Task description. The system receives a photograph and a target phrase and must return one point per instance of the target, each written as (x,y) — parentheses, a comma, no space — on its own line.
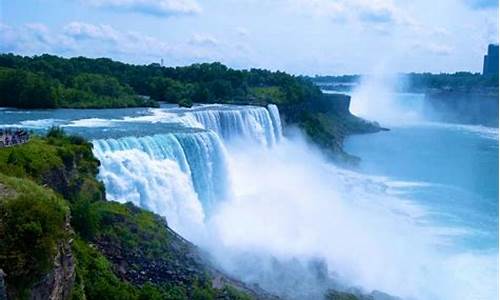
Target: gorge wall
(475,106)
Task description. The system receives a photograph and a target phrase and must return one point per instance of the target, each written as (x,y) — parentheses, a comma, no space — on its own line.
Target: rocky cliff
(469,106)
(326,121)
(58,282)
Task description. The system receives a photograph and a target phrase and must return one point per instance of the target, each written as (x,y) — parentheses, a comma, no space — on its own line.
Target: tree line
(48,81)
(458,80)
(423,81)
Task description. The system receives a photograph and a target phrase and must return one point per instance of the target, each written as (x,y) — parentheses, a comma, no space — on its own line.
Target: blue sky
(297,36)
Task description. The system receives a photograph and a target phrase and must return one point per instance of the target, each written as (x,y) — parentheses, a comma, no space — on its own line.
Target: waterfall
(275,117)
(250,123)
(199,155)
(158,185)
(183,174)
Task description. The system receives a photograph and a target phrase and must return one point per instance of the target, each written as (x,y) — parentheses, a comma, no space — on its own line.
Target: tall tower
(490,65)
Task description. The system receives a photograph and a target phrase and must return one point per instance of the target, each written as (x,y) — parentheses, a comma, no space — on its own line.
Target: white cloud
(433,48)
(151,7)
(32,38)
(365,11)
(79,38)
(80,31)
(97,40)
(203,40)
(122,42)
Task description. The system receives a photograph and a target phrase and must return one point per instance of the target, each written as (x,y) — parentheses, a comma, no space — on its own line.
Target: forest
(48,81)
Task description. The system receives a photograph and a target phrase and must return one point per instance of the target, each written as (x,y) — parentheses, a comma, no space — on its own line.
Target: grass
(32,222)
(31,159)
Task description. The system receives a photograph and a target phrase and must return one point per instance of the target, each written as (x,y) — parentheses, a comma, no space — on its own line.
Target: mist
(298,225)
(375,99)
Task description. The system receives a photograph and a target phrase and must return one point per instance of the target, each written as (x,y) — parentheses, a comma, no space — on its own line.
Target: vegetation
(336,295)
(26,89)
(34,221)
(272,94)
(50,81)
(338,79)
(461,80)
(423,81)
(329,130)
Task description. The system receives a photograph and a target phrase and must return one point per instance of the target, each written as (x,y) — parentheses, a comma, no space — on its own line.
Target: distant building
(490,66)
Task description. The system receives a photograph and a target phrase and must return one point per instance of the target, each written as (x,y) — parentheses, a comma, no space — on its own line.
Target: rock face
(476,106)
(58,283)
(3,288)
(176,262)
(337,104)
(326,121)
(334,103)
(135,266)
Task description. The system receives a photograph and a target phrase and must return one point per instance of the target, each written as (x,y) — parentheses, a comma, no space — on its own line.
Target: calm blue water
(451,170)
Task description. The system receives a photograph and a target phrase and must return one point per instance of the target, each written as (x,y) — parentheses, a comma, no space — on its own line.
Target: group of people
(11,136)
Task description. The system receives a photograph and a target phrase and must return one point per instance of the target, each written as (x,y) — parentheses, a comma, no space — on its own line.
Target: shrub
(55,132)
(31,224)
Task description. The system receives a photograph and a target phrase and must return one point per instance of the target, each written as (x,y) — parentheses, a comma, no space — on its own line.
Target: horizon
(414,37)
(238,69)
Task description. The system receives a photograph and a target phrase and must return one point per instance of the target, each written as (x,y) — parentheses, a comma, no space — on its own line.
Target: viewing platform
(13,136)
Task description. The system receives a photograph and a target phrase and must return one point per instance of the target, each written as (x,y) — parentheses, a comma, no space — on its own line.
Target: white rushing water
(200,156)
(184,175)
(248,123)
(265,206)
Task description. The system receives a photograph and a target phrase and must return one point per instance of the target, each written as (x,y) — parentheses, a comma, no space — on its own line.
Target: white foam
(41,123)
(483,131)
(91,122)
(158,185)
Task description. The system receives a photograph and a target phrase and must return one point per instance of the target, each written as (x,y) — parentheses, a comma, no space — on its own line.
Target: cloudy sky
(298,36)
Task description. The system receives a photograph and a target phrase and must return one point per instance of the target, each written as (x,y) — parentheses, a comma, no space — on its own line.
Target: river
(418,218)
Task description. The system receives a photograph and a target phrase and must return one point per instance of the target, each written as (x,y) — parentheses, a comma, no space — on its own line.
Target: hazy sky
(298,36)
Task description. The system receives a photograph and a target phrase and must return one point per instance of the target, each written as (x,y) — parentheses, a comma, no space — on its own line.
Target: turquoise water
(451,170)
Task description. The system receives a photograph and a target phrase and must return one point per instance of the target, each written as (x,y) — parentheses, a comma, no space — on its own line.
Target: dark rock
(3,288)
(58,283)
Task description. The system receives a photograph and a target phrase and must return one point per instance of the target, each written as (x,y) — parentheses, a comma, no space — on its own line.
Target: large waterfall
(183,175)
(243,122)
